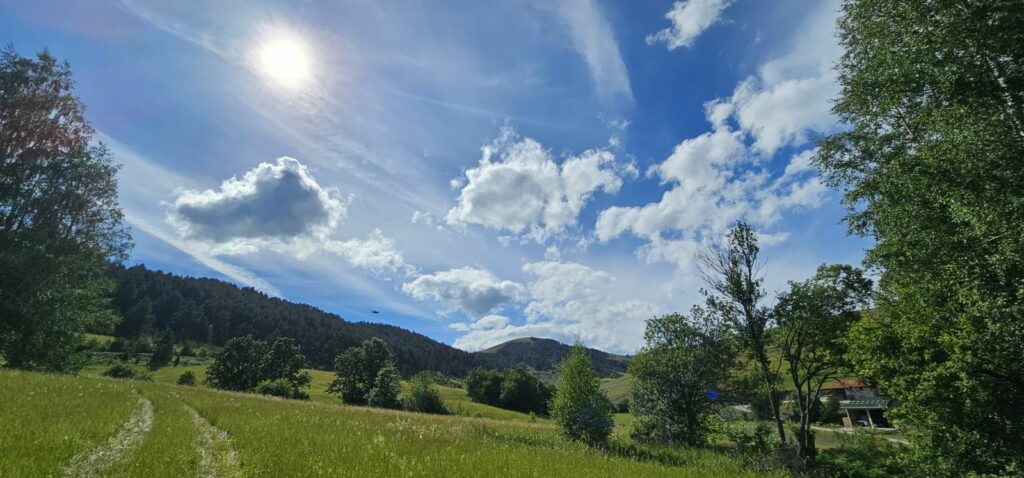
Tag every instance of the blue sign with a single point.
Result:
(712, 395)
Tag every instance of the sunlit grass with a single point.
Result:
(48, 419)
(276, 437)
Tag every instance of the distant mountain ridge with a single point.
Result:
(212, 311)
(546, 354)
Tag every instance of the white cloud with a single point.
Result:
(594, 39)
(487, 322)
(725, 175)
(689, 19)
(790, 96)
(519, 188)
(473, 291)
(570, 301)
(278, 207)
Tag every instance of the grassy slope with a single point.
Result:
(617, 388)
(50, 418)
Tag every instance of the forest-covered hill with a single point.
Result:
(212, 311)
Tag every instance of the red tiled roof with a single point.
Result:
(845, 383)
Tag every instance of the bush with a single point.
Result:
(280, 387)
(623, 406)
(120, 371)
(187, 377)
(386, 388)
(582, 411)
(424, 396)
(484, 386)
(862, 455)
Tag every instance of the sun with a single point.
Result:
(285, 59)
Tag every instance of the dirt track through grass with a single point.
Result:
(94, 462)
(217, 459)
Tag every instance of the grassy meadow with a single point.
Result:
(51, 420)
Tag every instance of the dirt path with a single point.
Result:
(94, 462)
(217, 459)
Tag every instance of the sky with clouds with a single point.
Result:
(475, 171)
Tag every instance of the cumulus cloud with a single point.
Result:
(518, 187)
(689, 19)
(476, 292)
(278, 207)
(487, 322)
(790, 96)
(717, 180)
(569, 301)
(726, 174)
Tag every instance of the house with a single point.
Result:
(861, 403)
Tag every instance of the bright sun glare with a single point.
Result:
(285, 60)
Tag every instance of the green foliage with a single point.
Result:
(484, 385)
(281, 387)
(386, 388)
(522, 391)
(163, 352)
(187, 377)
(732, 273)
(244, 363)
(423, 396)
(581, 410)
(357, 371)
(120, 371)
(59, 217)
(513, 389)
(210, 311)
(186, 351)
(685, 362)
(930, 167)
(812, 319)
(239, 365)
(861, 455)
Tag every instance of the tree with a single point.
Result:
(386, 388)
(59, 218)
(930, 168)
(812, 319)
(524, 392)
(484, 385)
(356, 371)
(580, 408)
(677, 376)
(285, 362)
(423, 396)
(239, 364)
(246, 364)
(163, 352)
(732, 273)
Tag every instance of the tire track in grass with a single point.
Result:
(94, 462)
(217, 459)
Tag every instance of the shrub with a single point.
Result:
(187, 377)
(862, 455)
(582, 411)
(484, 386)
(280, 387)
(386, 388)
(120, 371)
(424, 396)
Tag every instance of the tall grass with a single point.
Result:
(48, 419)
(275, 437)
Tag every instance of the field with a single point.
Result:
(94, 426)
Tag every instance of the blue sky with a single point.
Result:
(476, 171)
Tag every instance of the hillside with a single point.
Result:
(547, 354)
(128, 428)
(212, 311)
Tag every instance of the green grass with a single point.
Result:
(617, 388)
(48, 419)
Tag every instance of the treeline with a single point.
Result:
(214, 311)
(513, 389)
